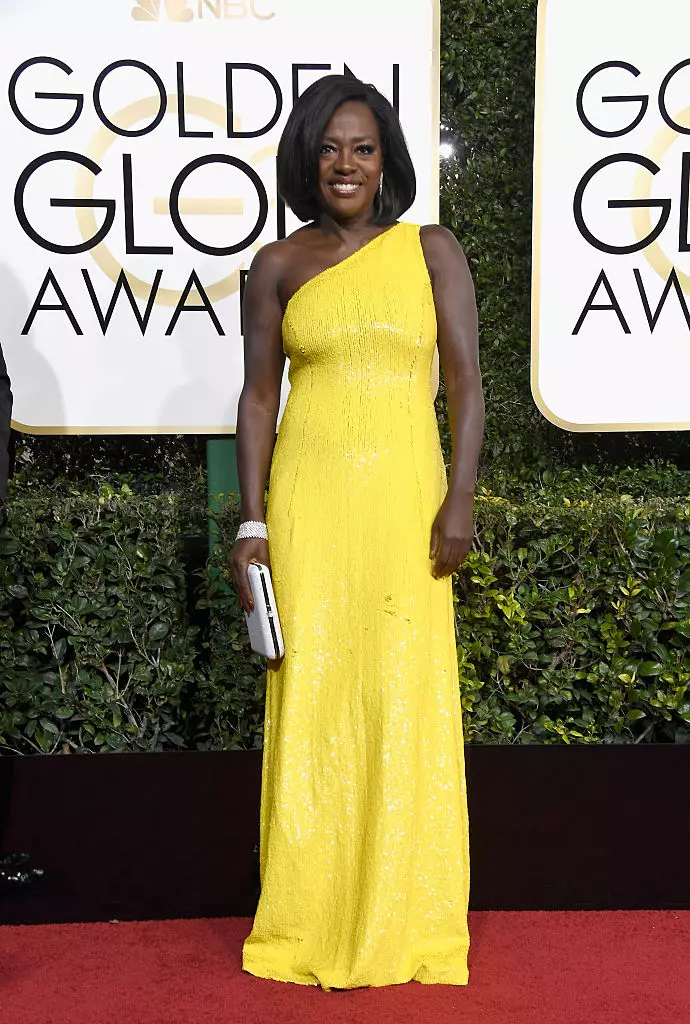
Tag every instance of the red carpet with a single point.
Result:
(541, 968)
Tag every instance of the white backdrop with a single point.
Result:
(621, 367)
(189, 379)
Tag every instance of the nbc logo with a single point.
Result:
(150, 10)
(180, 10)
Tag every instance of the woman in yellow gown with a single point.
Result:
(364, 835)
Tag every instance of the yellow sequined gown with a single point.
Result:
(364, 834)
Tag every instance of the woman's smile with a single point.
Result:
(344, 188)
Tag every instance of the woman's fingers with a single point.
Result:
(251, 549)
(451, 538)
(244, 590)
(449, 558)
(435, 536)
(442, 559)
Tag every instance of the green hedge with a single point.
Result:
(573, 625)
(574, 621)
(95, 646)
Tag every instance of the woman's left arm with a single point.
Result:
(456, 316)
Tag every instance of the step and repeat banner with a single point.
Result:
(611, 243)
(138, 181)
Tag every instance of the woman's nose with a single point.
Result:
(344, 163)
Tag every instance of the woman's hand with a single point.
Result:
(452, 534)
(250, 549)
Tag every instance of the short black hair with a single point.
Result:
(298, 149)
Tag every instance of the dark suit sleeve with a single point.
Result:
(5, 417)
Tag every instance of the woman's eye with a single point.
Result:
(326, 148)
(365, 148)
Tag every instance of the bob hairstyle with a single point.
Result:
(298, 150)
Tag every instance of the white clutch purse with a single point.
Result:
(265, 635)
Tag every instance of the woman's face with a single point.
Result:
(350, 162)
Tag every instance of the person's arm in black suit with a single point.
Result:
(5, 417)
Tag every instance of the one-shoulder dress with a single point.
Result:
(364, 858)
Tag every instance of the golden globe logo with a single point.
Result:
(184, 10)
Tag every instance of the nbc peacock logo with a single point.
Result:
(168, 10)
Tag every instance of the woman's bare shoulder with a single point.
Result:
(438, 241)
(441, 249)
(275, 258)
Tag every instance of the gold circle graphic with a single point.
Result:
(86, 218)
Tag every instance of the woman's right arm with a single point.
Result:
(257, 414)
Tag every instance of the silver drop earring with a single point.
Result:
(381, 183)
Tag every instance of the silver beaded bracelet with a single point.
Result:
(252, 528)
